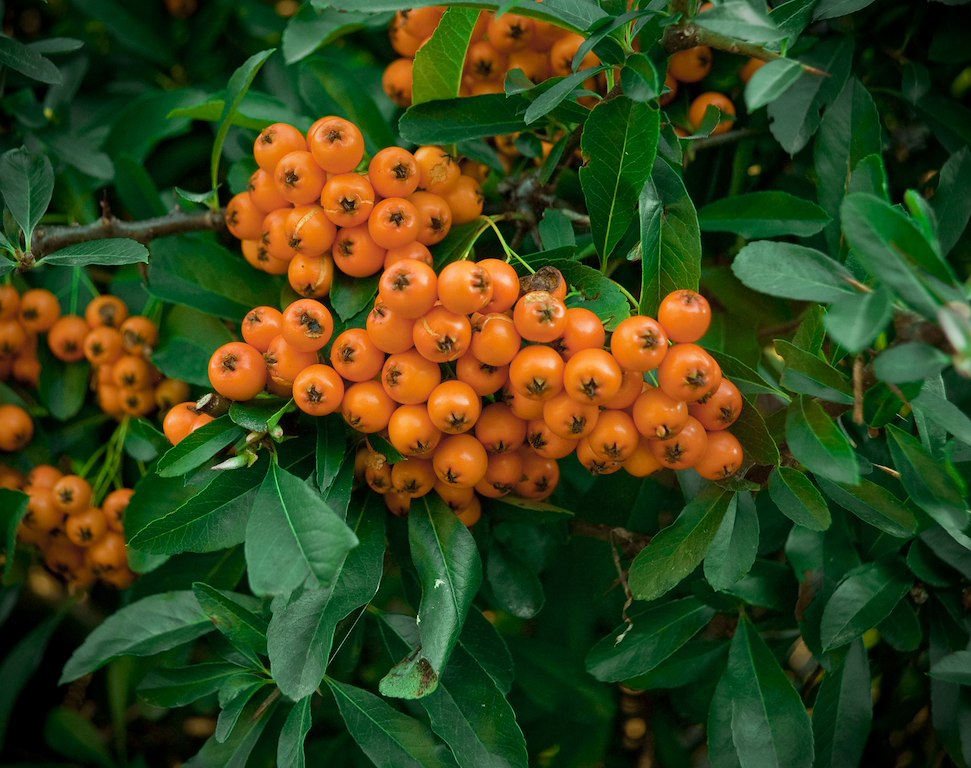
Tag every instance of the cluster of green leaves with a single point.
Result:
(288, 599)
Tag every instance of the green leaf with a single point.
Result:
(850, 131)
(856, 320)
(453, 120)
(739, 19)
(234, 616)
(468, 710)
(199, 447)
(73, 735)
(63, 386)
(640, 79)
(205, 513)
(234, 752)
(817, 442)
(27, 61)
(870, 175)
(311, 29)
(27, 183)
(678, 549)
(256, 111)
(843, 711)
(770, 82)
(863, 599)
(796, 114)
(349, 295)
(293, 535)
(756, 716)
(902, 628)
(807, 374)
(80, 154)
(301, 634)
(260, 414)
(13, 507)
(953, 668)
(831, 9)
(512, 508)
(670, 242)
(195, 271)
(143, 628)
(555, 95)
(874, 227)
(133, 31)
(797, 498)
(389, 738)
(619, 144)
(450, 573)
(748, 380)
(929, 484)
(514, 583)
(763, 214)
(874, 505)
(239, 84)
(290, 753)
(24, 658)
(439, 62)
(944, 414)
(187, 340)
(483, 642)
(177, 686)
(598, 293)
(658, 632)
(792, 272)
(910, 361)
(952, 201)
(111, 252)
(331, 450)
(556, 230)
(245, 689)
(735, 546)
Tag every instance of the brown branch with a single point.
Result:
(628, 595)
(683, 36)
(629, 541)
(858, 416)
(49, 239)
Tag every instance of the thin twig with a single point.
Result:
(858, 390)
(899, 393)
(274, 695)
(632, 542)
(688, 35)
(892, 472)
(49, 239)
(622, 577)
(724, 139)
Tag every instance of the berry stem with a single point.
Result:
(630, 297)
(112, 465)
(510, 253)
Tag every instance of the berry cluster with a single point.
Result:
(483, 381)
(308, 210)
(117, 345)
(498, 45)
(78, 541)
